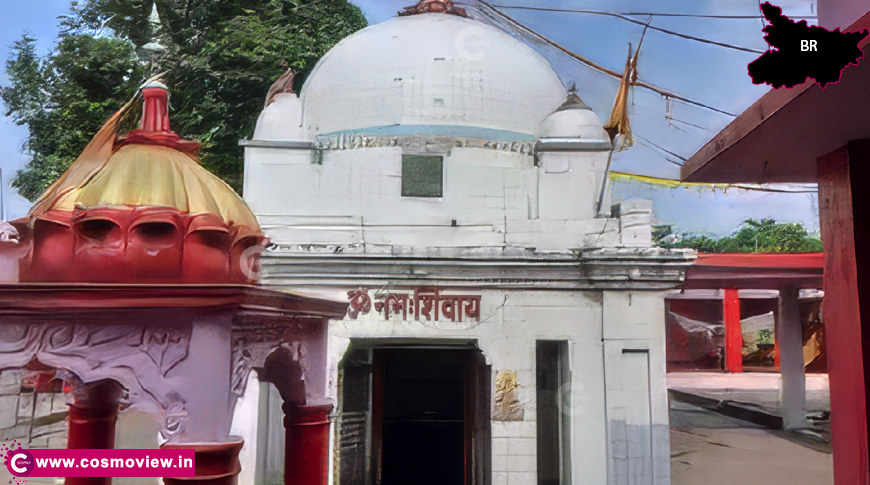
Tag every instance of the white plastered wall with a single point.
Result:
(637, 405)
(497, 198)
(510, 323)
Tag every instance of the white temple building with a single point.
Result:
(506, 324)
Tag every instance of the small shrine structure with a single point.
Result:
(130, 286)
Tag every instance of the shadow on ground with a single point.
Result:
(716, 442)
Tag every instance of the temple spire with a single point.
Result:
(154, 48)
(154, 18)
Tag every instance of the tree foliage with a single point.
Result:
(64, 98)
(221, 59)
(753, 236)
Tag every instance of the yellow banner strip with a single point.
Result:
(628, 178)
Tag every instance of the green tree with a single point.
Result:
(222, 57)
(753, 236)
(63, 99)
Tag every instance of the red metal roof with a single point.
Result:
(755, 271)
(755, 260)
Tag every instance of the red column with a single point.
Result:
(306, 460)
(847, 289)
(216, 463)
(733, 332)
(92, 418)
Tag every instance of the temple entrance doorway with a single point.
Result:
(427, 416)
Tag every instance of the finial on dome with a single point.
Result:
(433, 6)
(155, 110)
(573, 102)
(154, 127)
(154, 18)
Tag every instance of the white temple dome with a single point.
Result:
(574, 126)
(431, 74)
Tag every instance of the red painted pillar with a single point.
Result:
(847, 290)
(733, 332)
(306, 460)
(215, 463)
(92, 418)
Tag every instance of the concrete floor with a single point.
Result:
(757, 389)
(709, 448)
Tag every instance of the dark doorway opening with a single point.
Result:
(424, 411)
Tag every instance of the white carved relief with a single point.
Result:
(241, 368)
(250, 352)
(442, 142)
(136, 356)
(163, 346)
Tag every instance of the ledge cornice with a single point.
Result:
(635, 269)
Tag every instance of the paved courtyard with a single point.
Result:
(710, 447)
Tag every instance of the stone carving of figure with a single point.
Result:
(284, 84)
(8, 232)
(507, 403)
(12, 249)
(439, 6)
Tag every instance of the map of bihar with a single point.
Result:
(798, 51)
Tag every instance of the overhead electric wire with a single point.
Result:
(737, 17)
(606, 70)
(622, 176)
(663, 156)
(635, 105)
(659, 14)
(635, 21)
(680, 129)
(662, 149)
(692, 124)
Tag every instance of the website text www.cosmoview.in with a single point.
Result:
(100, 463)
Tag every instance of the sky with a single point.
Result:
(39, 17)
(667, 131)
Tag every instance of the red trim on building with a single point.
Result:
(763, 260)
(755, 271)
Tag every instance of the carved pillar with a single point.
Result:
(216, 463)
(92, 418)
(306, 459)
(306, 446)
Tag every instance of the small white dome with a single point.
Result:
(429, 73)
(574, 126)
(281, 120)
